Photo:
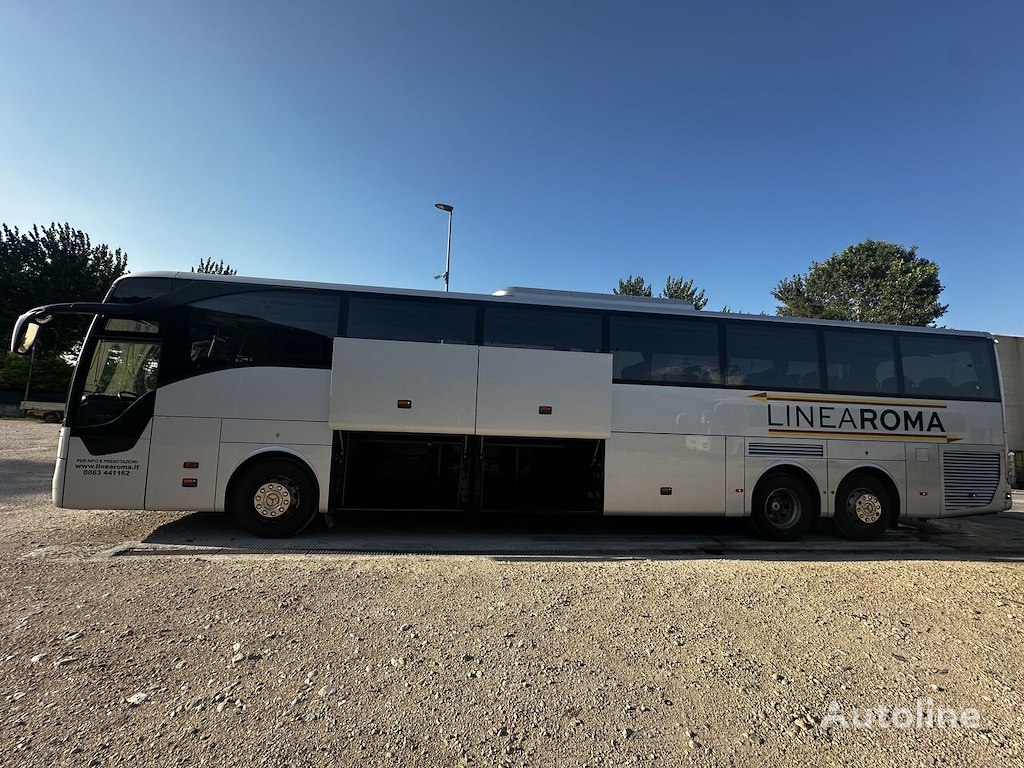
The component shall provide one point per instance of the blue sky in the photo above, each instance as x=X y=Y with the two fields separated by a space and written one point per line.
x=731 y=142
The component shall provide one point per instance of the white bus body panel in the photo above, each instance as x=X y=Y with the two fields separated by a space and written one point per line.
x=289 y=394
x=663 y=410
x=177 y=440
x=922 y=469
x=913 y=463
x=274 y=432
x=515 y=383
x=241 y=412
x=638 y=466
x=110 y=481
x=369 y=377
x=735 y=482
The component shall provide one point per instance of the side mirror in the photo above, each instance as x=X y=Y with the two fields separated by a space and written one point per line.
x=26 y=330
x=28 y=338
x=27 y=327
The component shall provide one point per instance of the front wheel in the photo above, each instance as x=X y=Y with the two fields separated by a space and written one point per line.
x=863 y=508
x=274 y=498
x=783 y=508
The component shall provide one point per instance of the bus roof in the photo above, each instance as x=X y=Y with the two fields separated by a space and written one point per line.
x=550 y=298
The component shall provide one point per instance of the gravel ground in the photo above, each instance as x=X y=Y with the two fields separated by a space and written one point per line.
x=441 y=661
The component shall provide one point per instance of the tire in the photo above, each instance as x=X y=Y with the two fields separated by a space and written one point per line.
x=274 y=498
x=864 y=507
x=50 y=417
x=783 y=508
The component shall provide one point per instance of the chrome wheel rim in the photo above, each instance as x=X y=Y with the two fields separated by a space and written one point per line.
x=864 y=507
x=782 y=508
x=274 y=498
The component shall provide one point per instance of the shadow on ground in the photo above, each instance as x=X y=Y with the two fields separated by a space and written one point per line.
x=25 y=477
x=575 y=537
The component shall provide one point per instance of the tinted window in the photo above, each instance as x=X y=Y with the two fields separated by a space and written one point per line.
x=861 y=361
x=772 y=356
x=669 y=349
x=432 y=320
x=132 y=290
x=534 y=328
x=120 y=372
x=125 y=325
x=280 y=328
x=947 y=366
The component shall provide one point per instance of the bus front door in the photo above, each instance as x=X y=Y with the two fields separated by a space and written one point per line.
x=103 y=457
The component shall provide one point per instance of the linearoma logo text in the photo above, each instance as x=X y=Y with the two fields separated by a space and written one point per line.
x=798 y=416
x=809 y=415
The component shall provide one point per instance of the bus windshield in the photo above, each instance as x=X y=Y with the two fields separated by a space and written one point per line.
x=119 y=373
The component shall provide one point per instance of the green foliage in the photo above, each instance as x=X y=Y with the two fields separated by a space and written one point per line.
x=208 y=267
x=49 y=375
x=871 y=282
x=633 y=286
x=52 y=265
x=675 y=288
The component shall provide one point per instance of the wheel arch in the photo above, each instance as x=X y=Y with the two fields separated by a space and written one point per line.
x=793 y=470
x=878 y=473
x=265 y=454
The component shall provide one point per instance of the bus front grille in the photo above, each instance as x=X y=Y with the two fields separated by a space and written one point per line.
x=969 y=479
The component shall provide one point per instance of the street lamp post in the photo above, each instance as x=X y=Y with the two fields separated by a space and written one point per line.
x=448 y=253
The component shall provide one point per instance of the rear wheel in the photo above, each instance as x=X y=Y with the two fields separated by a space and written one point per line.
x=783 y=508
x=863 y=507
x=274 y=498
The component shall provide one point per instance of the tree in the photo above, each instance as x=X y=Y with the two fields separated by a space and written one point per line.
x=50 y=376
x=871 y=282
x=207 y=267
x=633 y=286
x=52 y=265
x=675 y=288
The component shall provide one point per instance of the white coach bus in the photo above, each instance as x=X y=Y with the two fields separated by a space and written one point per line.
x=280 y=400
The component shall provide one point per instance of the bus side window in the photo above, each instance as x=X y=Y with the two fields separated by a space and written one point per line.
x=273 y=328
x=411 y=319
x=948 y=366
x=541 y=328
x=772 y=356
x=120 y=373
x=674 y=350
x=861 y=362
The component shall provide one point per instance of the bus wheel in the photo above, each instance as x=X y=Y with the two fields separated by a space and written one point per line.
x=783 y=509
x=863 y=508
x=274 y=498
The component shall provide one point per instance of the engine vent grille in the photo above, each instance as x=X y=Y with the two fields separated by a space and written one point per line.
x=970 y=479
x=785 y=449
